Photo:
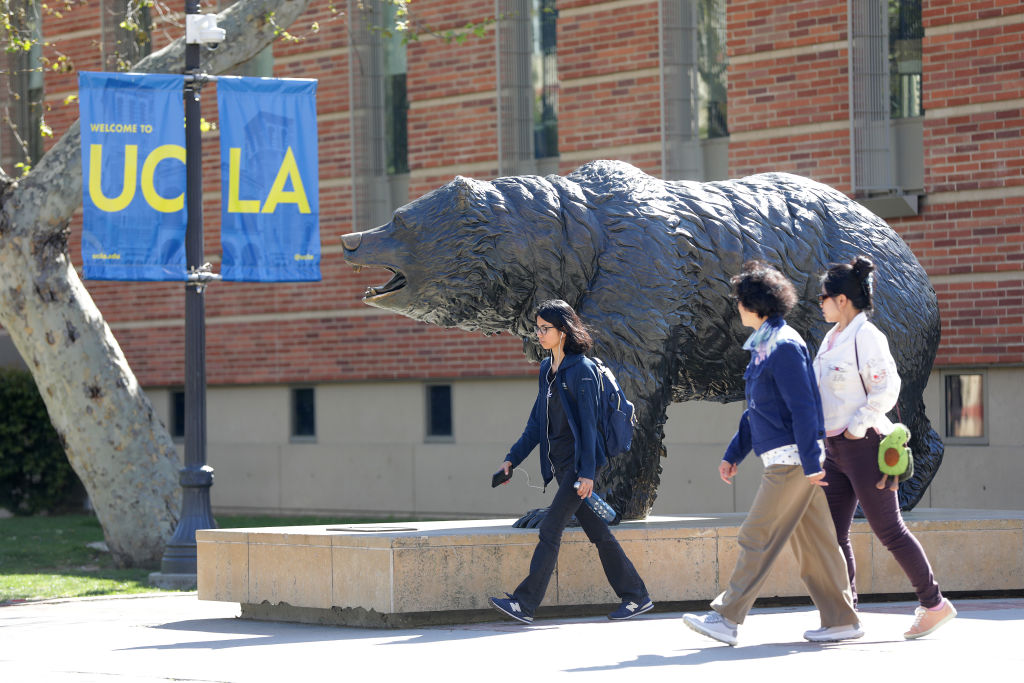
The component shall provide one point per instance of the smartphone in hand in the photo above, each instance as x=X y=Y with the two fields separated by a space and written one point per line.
x=500 y=477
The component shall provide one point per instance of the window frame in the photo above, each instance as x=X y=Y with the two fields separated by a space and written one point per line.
x=711 y=31
x=982 y=440
x=172 y=404
x=882 y=178
x=428 y=437
x=545 y=85
x=901 y=22
x=380 y=177
x=687 y=34
x=293 y=414
x=24 y=98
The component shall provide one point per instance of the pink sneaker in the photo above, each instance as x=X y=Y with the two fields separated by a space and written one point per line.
x=926 y=620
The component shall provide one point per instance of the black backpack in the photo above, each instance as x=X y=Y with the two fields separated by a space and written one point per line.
x=617 y=415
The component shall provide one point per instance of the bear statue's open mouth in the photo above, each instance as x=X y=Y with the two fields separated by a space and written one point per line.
x=396 y=283
x=351 y=242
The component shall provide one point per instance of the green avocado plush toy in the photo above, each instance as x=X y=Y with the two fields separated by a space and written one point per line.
x=894 y=457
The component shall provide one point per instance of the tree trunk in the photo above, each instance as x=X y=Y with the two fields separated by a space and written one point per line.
x=119 y=448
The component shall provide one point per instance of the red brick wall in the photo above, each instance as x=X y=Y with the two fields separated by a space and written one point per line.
x=444 y=132
x=968 y=233
x=970 y=236
x=983 y=323
x=786 y=70
x=788 y=111
x=610 y=87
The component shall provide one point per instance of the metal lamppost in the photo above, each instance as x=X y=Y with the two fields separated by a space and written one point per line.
x=178 y=565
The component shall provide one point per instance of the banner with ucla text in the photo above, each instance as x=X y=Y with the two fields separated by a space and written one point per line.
x=133 y=171
x=270 y=207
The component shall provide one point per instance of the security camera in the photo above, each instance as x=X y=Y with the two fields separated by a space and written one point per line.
x=202 y=28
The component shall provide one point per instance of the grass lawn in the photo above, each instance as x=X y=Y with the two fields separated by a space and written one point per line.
x=48 y=557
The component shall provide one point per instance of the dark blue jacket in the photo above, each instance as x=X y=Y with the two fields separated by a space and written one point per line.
x=783 y=403
x=578 y=383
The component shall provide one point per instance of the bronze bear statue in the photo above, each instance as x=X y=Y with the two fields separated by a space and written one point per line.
x=646 y=263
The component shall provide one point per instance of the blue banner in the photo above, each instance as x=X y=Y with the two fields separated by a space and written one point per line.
x=270 y=223
x=133 y=171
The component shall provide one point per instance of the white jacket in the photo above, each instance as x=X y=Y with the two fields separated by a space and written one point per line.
x=843 y=398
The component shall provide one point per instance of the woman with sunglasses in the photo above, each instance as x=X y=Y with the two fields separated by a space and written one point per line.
x=859 y=384
x=563 y=422
x=782 y=423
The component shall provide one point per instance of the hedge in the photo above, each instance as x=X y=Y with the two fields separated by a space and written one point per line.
x=35 y=475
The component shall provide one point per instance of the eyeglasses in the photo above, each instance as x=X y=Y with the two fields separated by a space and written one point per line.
x=822 y=297
x=543 y=329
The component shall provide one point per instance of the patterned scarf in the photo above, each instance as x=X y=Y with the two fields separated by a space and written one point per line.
x=762 y=342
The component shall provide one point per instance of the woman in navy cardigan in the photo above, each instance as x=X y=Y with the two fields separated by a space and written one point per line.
x=563 y=422
x=783 y=424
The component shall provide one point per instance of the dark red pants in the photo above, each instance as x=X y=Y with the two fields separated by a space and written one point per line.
x=851 y=470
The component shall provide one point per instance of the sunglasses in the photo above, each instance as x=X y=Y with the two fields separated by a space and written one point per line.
x=822 y=297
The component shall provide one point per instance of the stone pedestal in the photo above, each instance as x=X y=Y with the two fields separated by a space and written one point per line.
x=406 y=574
x=173 y=582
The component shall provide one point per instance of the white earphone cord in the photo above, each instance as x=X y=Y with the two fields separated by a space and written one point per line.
x=539 y=488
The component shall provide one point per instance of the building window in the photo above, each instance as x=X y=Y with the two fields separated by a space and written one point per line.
x=128 y=28
x=965 y=408
x=886 y=132
x=21 y=142
x=177 y=414
x=379 y=112
x=869 y=98
x=396 y=104
x=712 y=67
x=439 y=412
x=694 y=66
x=303 y=414
x=906 y=32
x=545 y=79
x=261 y=65
x=515 y=88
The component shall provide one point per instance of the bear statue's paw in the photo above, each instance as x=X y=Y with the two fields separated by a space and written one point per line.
x=533 y=519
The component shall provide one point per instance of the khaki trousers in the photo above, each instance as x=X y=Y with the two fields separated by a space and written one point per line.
x=787 y=507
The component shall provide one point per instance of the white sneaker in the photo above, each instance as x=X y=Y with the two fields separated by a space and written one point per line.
x=713 y=625
x=831 y=634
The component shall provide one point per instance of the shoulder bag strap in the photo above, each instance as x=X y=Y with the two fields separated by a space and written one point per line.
x=856 y=357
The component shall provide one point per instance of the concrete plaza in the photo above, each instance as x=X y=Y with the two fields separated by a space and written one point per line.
x=176 y=637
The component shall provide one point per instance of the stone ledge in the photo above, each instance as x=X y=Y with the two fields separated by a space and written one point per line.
x=405 y=574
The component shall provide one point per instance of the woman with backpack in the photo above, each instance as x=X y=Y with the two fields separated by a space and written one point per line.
x=564 y=423
x=783 y=424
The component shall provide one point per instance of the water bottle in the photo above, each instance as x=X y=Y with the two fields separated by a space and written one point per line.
x=599 y=506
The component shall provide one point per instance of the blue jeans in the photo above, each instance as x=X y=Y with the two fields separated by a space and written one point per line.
x=621 y=574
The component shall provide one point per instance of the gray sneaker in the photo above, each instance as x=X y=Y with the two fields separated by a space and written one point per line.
x=831 y=634
x=713 y=625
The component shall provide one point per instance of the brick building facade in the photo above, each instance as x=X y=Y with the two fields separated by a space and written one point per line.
x=790 y=72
